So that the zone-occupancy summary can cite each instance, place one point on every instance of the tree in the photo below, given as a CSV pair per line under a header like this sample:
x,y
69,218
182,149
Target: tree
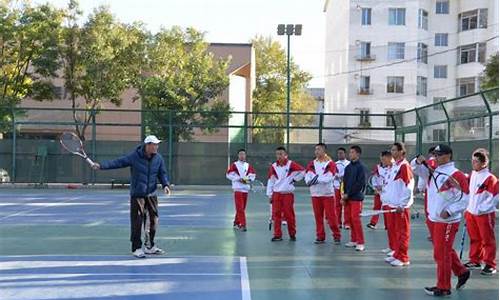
x,y
491,78
270,92
100,61
182,76
29,36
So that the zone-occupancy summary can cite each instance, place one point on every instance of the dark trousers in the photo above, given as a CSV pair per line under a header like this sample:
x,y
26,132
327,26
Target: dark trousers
x,y
143,211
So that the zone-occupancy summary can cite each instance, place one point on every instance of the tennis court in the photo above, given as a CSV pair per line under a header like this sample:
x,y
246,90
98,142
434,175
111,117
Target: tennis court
x,y
74,244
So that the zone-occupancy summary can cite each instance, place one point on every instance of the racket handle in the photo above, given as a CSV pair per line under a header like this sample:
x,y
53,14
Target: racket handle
x,y
90,162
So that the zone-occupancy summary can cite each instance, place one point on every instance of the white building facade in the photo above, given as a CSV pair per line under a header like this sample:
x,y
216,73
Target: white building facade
x,y
388,56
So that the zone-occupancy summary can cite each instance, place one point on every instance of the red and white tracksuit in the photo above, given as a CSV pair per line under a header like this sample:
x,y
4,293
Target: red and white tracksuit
x,y
341,165
422,172
236,172
280,187
398,193
444,230
323,196
480,217
379,173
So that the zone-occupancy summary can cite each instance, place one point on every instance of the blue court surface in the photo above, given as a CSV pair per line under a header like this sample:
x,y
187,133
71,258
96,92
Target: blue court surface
x,y
74,244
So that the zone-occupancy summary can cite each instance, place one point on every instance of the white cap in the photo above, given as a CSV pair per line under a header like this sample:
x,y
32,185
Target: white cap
x,y
151,139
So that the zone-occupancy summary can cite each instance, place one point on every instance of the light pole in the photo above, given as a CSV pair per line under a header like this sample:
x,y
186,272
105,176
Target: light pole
x,y
288,30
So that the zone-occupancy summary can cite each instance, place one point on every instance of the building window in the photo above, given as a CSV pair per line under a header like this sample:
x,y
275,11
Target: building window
x,y
365,49
421,86
395,84
466,86
437,100
396,51
439,135
441,71
472,53
364,85
397,16
442,7
423,19
473,19
396,114
366,16
441,39
422,53
364,118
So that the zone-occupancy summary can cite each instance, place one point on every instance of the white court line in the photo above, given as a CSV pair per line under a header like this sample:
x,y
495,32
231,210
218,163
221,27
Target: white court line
x,y
137,274
38,208
245,283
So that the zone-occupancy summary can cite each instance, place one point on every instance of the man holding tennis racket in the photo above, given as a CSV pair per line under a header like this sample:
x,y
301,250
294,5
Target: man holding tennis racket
x,y
448,196
320,174
480,214
377,182
241,174
147,168
399,191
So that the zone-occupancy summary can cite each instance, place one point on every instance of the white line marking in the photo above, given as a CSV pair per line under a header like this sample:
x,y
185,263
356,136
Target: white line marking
x,y
245,283
38,208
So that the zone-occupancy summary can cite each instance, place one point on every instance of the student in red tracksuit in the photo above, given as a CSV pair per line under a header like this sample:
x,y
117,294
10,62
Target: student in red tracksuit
x,y
241,173
423,167
400,195
341,164
379,173
480,214
446,217
320,174
282,176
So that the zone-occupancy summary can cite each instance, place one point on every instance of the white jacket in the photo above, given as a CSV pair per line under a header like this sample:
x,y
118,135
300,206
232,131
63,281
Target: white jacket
x,y
380,179
422,172
341,165
282,177
326,171
237,171
483,188
398,192
437,204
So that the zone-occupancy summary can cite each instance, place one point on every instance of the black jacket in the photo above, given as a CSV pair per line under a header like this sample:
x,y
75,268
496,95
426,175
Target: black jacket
x,y
355,181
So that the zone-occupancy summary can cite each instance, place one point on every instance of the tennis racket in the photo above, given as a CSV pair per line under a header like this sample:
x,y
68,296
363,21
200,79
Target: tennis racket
x,y
258,187
447,187
72,143
369,213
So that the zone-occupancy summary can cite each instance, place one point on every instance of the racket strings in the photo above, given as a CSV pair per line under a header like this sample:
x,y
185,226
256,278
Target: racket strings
x,y
71,142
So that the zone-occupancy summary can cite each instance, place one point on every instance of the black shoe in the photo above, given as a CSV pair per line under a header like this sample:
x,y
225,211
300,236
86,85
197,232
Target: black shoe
x,y
243,228
371,226
462,279
347,227
488,270
293,238
318,241
337,242
276,239
472,266
434,291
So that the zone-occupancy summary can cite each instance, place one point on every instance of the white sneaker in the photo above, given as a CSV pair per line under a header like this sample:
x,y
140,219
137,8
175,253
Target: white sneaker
x,y
389,259
390,253
398,263
139,253
360,247
351,245
386,250
153,250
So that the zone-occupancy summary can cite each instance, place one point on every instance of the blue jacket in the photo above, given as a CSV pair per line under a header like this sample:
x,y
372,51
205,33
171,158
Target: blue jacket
x,y
144,172
355,181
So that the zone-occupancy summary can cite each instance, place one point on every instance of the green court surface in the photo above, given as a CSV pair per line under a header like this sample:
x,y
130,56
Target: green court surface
x,y
74,244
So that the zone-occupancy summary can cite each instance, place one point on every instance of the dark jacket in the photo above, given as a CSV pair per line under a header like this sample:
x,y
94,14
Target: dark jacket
x,y
145,173
355,181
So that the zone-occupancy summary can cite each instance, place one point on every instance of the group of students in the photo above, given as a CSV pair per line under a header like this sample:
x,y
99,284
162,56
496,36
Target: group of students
x,y
341,185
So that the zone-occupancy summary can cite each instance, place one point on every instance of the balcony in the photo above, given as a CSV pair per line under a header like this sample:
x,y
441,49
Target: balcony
x,y
365,91
365,57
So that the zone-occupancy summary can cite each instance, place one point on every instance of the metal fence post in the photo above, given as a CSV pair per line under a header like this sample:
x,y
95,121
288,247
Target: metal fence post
x,y
13,179
321,120
170,146
94,146
245,132
490,130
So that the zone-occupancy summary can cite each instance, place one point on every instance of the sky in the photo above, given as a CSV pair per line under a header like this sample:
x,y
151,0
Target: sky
x,y
231,21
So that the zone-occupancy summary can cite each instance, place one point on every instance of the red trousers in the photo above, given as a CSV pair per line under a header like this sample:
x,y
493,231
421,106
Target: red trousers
x,y
391,228
283,206
338,209
483,246
354,208
240,203
377,204
402,234
325,207
446,258
427,221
